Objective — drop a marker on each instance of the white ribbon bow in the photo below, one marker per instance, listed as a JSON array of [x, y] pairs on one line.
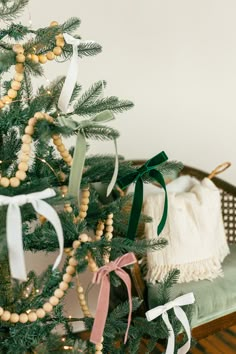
[[71, 78], [14, 227], [186, 299]]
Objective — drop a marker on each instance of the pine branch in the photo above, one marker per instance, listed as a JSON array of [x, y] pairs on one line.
[[15, 31], [99, 132], [70, 25], [91, 95], [110, 103], [10, 11]]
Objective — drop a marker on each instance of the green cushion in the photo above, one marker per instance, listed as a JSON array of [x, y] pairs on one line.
[[214, 299]]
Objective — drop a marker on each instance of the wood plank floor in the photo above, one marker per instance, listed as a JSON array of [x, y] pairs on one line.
[[220, 343]]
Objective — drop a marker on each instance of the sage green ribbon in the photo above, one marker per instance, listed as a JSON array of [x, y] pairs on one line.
[[80, 149], [149, 168]]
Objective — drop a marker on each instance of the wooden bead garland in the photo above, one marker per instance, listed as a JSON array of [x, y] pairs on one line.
[[85, 194], [26, 149], [20, 61], [33, 315]]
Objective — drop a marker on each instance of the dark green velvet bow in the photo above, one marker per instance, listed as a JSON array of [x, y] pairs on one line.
[[148, 168]]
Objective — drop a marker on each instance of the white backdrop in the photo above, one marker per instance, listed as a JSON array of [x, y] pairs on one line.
[[175, 59]]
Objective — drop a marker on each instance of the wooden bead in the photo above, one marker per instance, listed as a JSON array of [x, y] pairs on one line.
[[109, 228], [42, 59], [61, 148], [65, 154], [108, 236], [19, 68], [66, 278], [73, 262], [50, 55], [76, 244], [12, 93], [5, 182], [63, 285], [70, 270], [40, 313], [80, 289], [99, 346], [82, 303], [39, 115], [60, 42], [25, 148], [15, 85], [82, 214], [29, 56], [64, 189], [23, 318], [14, 318], [99, 233], [26, 138], [17, 48], [56, 136], [58, 292], [5, 316], [32, 316], [6, 99], [98, 352], [20, 58], [81, 296], [85, 201], [47, 307], [1, 311], [53, 23], [32, 121], [85, 193], [23, 166], [14, 182], [54, 300], [57, 51], [24, 157], [21, 175], [18, 77], [83, 207], [100, 226], [34, 58], [29, 130], [69, 209], [2, 104], [109, 222], [110, 216], [57, 142], [83, 237]]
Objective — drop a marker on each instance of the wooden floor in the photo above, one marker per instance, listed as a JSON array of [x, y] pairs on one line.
[[220, 343]]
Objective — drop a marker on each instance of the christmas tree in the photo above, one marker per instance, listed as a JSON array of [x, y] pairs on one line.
[[49, 200]]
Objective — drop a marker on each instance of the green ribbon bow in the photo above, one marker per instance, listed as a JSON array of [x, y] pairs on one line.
[[80, 148], [148, 168]]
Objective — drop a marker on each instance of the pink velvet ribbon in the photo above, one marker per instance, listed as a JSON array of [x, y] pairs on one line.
[[102, 275]]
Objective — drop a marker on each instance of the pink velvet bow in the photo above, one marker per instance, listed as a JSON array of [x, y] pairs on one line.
[[102, 275]]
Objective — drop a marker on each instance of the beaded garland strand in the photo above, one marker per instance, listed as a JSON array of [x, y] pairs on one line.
[[20, 60], [26, 149], [85, 238]]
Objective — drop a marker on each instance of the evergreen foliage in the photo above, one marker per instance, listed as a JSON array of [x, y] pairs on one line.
[[45, 168]]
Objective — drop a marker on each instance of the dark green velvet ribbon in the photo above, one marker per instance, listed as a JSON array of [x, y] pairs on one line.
[[148, 168]]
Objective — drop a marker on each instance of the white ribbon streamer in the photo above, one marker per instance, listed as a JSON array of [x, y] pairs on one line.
[[186, 299], [71, 77], [14, 227]]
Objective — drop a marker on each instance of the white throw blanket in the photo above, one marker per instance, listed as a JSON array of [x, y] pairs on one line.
[[196, 238]]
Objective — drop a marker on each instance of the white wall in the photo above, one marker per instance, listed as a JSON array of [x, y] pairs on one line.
[[175, 59]]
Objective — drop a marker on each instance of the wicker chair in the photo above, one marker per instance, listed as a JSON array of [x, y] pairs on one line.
[[228, 194]]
